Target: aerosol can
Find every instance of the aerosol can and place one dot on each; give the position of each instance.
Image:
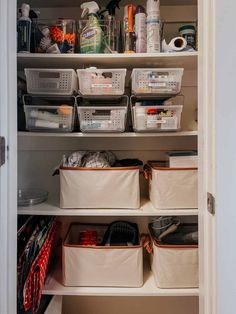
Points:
(153, 26)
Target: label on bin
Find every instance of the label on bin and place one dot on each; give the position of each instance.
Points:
(49, 85)
(157, 84)
(162, 122)
(102, 85)
(170, 123)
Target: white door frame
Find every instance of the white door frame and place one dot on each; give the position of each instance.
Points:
(206, 101)
(8, 172)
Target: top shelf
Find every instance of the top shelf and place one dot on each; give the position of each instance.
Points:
(187, 60)
(76, 3)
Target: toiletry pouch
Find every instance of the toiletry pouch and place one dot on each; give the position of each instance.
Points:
(172, 188)
(174, 266)
(107, 266)
(116, 187)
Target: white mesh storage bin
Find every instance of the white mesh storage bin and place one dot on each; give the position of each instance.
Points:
(157, 81)
(51, 81)
(116, 187)
(49, 114)
(172, 188)
(175, 266)
(102, 119)
(107, 266)
(156, 118)
(104, 115)
(94, 81)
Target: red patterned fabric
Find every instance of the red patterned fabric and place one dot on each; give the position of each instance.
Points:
(37, 274)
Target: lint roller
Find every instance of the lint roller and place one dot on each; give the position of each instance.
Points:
(130, 35)
(176, 44)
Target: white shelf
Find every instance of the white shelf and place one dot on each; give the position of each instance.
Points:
(176, 59)
(93, 135)
(54, 286)
(76, 3)
(146, 209)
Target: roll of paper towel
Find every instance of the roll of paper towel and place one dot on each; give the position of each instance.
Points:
(176, 44)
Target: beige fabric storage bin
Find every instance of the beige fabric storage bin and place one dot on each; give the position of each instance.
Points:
(175, 266)
(116, 187)
(107, 266)
(172, 188)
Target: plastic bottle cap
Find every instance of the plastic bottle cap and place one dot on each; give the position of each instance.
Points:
(25, 8)
(186, 27)
(89, 8)
(152, 111)
(140, 9)
(153, 6)
(64, 109)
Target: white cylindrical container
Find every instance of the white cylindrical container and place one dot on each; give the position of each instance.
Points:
(140, 30)
(140, 116)
(153, 26)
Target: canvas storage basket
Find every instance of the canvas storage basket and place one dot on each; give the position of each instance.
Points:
(107, 266)
(171, 188)
(175, 266)
(116, 187)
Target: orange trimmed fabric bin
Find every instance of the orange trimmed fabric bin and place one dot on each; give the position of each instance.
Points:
(116, 187)
(172, 188)
(101, 266)
(175, 266)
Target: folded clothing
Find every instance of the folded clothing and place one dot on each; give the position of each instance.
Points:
(128, 162)
(104, 159)
(97, 159)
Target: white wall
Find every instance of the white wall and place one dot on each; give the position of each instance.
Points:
(225, 51)
(126, 305)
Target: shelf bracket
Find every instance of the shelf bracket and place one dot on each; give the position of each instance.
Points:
(2, 151)
(210, 203)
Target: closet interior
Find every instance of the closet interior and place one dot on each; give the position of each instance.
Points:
(40, 153)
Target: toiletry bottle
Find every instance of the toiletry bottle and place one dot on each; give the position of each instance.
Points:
(152, 118)
(140, 29)
(125, 19)
(153, 26)
(140, 116)
(130, 35)
(110, 35)
(189, 33)
(91, 37)
(24, 30)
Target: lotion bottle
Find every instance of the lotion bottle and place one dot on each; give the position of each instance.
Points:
(24, 30)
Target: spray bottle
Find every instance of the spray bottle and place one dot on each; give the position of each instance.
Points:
(91, 37)
(153, 26)
(24, 30)
(140, 29)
